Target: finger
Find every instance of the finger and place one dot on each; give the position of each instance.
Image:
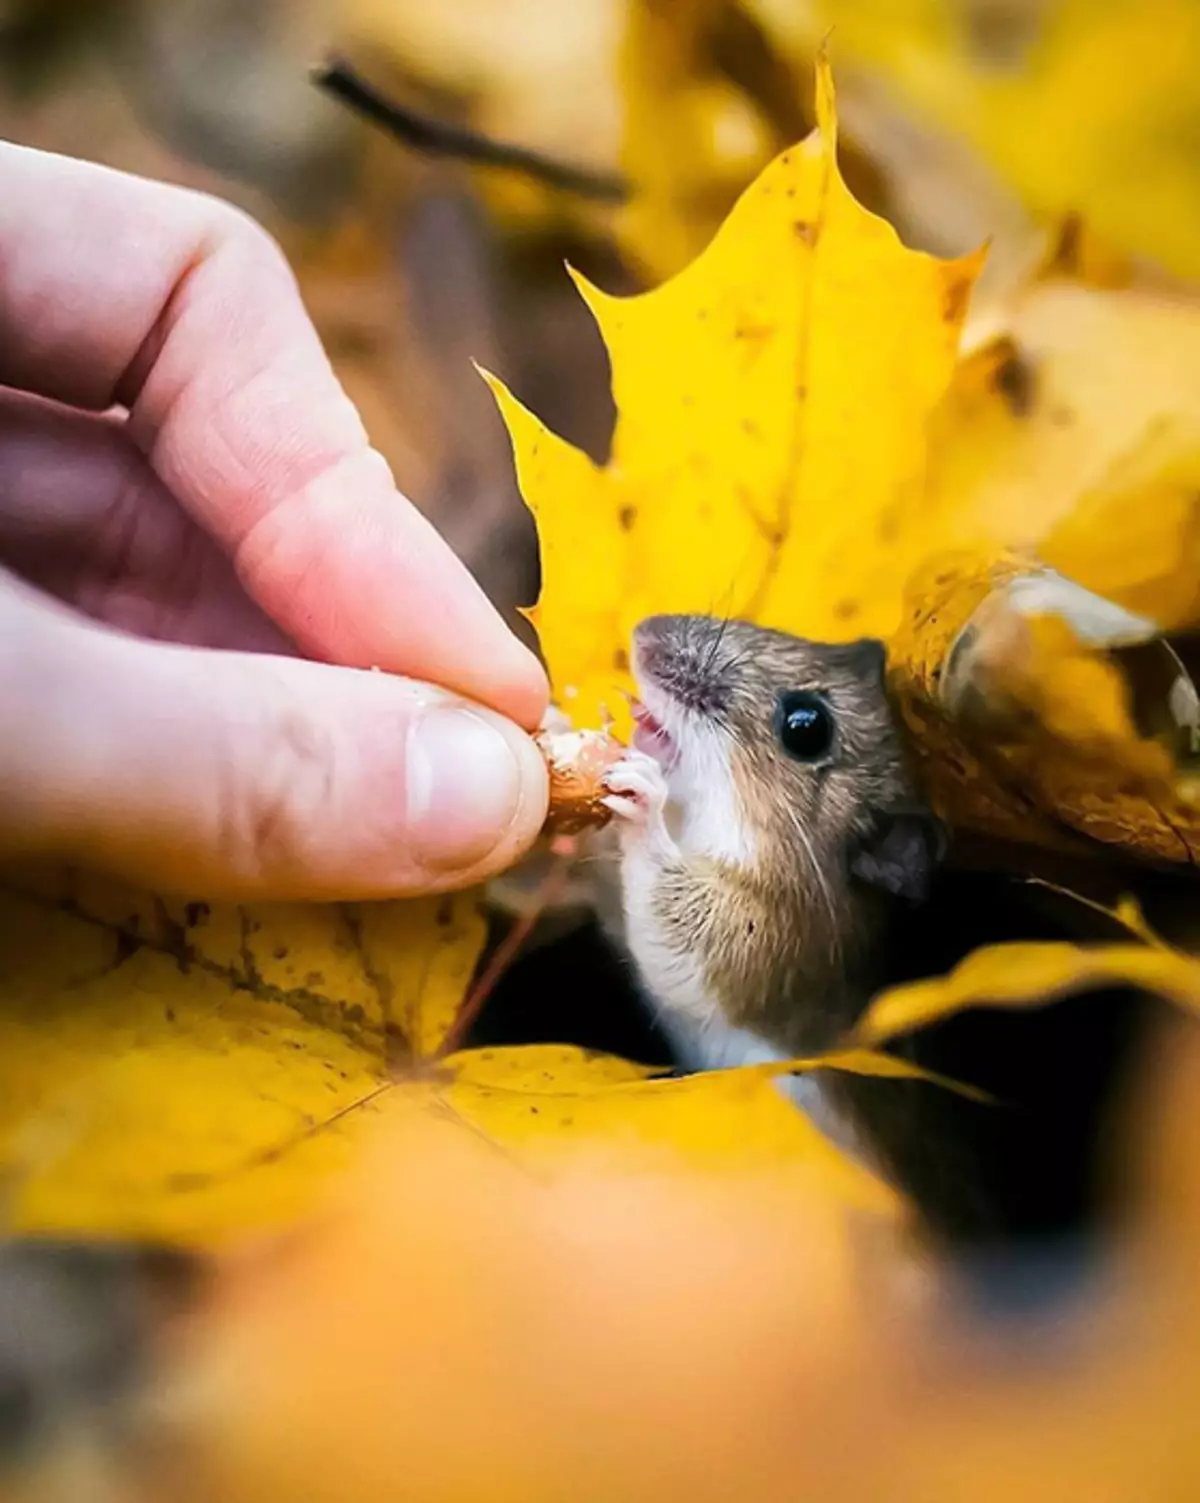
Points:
(181, 309)
(242, 776)
(84, 517)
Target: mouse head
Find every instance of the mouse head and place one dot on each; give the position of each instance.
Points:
(781, 754)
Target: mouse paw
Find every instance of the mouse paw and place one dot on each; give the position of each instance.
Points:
(637, 790)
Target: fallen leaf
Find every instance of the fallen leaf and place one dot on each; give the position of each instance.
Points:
(193, 1073)
(1072, 427)
(181, 1070)
(553, 1106)
(1023, 720)
(707, 99)
(1030, 975)
(772, 402)
(692, 139)
(1112, 86)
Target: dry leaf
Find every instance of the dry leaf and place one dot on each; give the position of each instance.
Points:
(1022, 721)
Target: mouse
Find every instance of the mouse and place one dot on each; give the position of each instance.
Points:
(779, 866)
(769, 827)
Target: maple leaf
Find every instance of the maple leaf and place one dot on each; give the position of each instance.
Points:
(800, 442)
(191, 1073)
(772, 403)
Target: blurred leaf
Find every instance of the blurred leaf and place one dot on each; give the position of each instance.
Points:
(1083, 105)
(1073, 426)
(692, 139)
(552, 1106)
(1030, 975)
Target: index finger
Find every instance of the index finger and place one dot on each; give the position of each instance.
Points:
(114, 290)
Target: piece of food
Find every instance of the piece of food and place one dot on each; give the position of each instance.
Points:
(578, 761)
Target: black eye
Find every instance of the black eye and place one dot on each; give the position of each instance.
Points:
(804, 725)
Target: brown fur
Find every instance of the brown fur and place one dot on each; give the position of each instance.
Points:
(790, 946)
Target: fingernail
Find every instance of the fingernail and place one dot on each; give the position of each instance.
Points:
(463, 787)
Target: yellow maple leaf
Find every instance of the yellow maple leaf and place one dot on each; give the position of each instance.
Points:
(772, 403)
(799, 442)
(182, 1070)
(192, 1073)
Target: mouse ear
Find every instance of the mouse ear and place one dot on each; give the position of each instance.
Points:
(900, 853)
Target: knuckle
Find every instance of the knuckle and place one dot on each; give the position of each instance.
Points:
(234, 231)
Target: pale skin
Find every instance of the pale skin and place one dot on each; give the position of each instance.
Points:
(200, 554)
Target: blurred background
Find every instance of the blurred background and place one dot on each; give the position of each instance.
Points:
(962, 120)
(414, 265)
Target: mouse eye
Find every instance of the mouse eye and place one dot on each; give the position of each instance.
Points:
(804, 725)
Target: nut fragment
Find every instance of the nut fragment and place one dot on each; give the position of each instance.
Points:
(577, 761)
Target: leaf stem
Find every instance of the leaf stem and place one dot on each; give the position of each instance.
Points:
(504, 955)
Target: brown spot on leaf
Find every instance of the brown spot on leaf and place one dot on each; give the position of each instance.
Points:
(314, 979)
(626, 517)
(1065, 252)
(846, 610)
(621, 660)
(750, 428)
(806, 230)
(954, 301)
(280, 952)
(1013, 379)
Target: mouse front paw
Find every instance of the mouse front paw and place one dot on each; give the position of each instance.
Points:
(637, 790)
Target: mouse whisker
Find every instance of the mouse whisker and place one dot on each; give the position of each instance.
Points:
(820, 879)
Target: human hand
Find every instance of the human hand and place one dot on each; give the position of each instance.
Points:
(179, 465)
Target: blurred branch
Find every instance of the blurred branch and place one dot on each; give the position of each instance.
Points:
(442, 139)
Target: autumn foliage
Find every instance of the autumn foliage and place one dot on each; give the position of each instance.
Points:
(539, 1271)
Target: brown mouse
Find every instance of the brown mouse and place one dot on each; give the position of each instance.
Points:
(770, 829)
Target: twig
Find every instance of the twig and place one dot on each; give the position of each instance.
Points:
(505, 953)
(439, 138)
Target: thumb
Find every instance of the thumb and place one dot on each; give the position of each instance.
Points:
(237, 775)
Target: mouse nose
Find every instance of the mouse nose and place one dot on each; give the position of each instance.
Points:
(679, 653)
(657, 643)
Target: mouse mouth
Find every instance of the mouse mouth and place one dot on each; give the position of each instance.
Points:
(650, 735)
